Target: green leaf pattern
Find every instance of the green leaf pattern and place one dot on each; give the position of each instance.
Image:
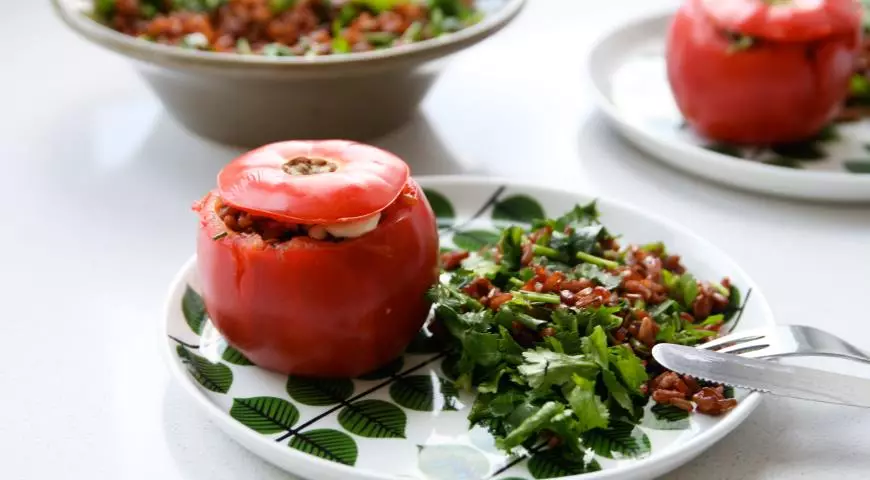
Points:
(265, 414)
(800, 155)
(216, 377)
(327, 444)
(441, 206)
(669, 413)
(374, 419)
(424, 392)
(319, 392)
(857, 166)
(231, 355)
(473, 240)
(666, 417)
(193, 309)
(554, 464)
(621, 440)
(517, 209)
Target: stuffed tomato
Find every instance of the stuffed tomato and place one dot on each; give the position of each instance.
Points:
(315, 257)
(762, 71)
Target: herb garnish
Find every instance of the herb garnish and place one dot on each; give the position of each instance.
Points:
(553, 324)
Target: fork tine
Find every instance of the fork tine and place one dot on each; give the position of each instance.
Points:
(739, 337)
(743, 348)
(764, 353)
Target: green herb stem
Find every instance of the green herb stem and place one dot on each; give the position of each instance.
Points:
(516, 282)
(548, 252)
(551, 298)
(528, 321)
(585, 257)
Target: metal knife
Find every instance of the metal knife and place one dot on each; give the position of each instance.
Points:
(764, 375)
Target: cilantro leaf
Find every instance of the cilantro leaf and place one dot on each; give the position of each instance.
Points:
(509, 313)
(618, 393)
(713, 320)
(665, 308)
(483, 348)
(554, 344)
(572, 343)
(669, 279)
(478, 266)
(504, 404)
(688, 289)
(597, 274)
(692, 335)
(595, 346)
(630, 369)
(580, 215)
(590, 410)
(531, 425)
(460, 324)
(491, 384)
(582, 239)
(510, 349)
(566, 319)
(603, 316)
(450, 297)
(669, 326)
(488, 406)
(510, 245)
(568, 429)
(545, 368)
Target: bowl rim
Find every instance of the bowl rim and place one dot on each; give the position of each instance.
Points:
(664, 15)
(75, 14)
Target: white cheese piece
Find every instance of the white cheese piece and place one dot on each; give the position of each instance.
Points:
(354, 229)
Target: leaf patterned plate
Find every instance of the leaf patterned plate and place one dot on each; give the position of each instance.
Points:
(626, 69)
(407, 420)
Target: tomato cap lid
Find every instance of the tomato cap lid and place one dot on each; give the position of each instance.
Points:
(785, 20)
(320, 181)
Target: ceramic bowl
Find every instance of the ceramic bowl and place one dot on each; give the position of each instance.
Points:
(251, 100)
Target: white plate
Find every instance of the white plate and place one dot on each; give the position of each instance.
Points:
(427, 434)
(629, 83)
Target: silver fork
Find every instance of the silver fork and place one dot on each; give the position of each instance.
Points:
(784, 341)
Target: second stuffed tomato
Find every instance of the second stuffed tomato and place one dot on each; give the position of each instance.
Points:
(762, 71)
(315, 257)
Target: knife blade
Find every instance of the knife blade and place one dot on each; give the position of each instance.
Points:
(764, 375)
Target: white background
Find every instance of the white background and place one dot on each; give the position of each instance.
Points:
(96, 187)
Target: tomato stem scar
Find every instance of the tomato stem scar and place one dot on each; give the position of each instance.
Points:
(301, 166)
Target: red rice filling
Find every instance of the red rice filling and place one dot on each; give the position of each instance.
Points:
(271, 231)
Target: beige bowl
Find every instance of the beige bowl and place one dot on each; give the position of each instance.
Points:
(248, 100)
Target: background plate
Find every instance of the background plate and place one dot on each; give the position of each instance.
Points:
(629, 82)
(407, 421)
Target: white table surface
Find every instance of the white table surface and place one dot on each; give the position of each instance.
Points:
(97, 183)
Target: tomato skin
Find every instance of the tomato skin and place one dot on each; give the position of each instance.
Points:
(801, 21)
(772, 92)
(367, 179)
(319, 308)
